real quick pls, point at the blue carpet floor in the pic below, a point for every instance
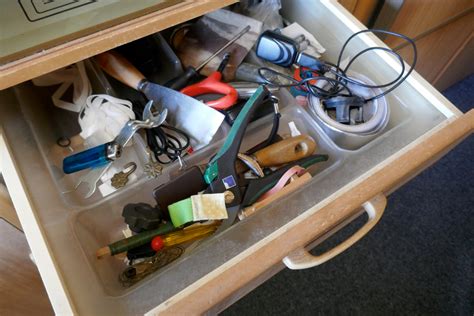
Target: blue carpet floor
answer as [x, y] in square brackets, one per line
[417, 261]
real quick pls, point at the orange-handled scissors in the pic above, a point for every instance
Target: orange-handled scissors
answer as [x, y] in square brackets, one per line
[213, 84]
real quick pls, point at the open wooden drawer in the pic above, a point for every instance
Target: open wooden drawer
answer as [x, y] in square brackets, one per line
[64, 235]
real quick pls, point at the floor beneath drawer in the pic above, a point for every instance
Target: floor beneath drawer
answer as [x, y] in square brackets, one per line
[418, 260]
[22, 291]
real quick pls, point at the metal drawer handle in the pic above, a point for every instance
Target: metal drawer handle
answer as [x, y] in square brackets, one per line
[302, 259]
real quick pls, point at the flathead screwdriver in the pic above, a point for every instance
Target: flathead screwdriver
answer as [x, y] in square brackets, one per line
[182, 80]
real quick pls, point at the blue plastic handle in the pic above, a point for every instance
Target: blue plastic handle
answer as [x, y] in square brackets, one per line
[90, 158]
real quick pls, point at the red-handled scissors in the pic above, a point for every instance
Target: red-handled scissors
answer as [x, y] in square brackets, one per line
[213, 84]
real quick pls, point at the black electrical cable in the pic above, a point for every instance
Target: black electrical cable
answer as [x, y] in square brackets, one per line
[348, 79]
[306, 81]
[341, 80]
[317, 91]
[402, 79]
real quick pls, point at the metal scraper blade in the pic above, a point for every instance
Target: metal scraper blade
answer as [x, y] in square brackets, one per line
[193, 117]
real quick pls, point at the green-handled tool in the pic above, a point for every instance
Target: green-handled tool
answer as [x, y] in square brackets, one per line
[222, 176]
[134, 241]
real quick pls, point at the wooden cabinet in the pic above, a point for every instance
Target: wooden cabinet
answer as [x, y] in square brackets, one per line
[61, 55]
[363, 10]
[443, 32]
[444, 36]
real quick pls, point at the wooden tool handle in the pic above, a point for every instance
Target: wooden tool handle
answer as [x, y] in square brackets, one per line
[285, 151]
[121, 69]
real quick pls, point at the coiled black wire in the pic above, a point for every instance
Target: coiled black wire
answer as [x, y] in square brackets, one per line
[339, 84]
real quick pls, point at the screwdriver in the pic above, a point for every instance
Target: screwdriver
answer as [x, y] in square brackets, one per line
[182, 236]
[137, 240]
[182, 80]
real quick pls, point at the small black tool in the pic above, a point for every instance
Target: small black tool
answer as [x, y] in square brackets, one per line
[141, 216]
[342, 105]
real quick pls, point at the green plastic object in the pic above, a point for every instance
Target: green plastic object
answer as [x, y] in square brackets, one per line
[212, 171]
[139, 239]
[181, 212]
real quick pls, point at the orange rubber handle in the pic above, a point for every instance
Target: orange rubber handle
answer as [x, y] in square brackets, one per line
[212, 84]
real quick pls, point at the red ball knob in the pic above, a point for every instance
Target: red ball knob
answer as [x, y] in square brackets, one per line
[157, 243]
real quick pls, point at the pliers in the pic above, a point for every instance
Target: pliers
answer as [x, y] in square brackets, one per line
[222, 176]
[213, 84]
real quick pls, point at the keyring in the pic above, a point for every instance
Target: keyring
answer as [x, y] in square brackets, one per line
[63, 141]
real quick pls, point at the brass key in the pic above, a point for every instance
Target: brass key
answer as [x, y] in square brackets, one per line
[120, 179]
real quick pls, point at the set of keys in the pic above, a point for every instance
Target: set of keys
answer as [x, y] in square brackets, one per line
[152, 169]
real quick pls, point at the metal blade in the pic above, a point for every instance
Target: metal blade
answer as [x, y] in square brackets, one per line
[193, 117]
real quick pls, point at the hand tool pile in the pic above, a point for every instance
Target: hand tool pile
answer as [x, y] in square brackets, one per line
[211, 140]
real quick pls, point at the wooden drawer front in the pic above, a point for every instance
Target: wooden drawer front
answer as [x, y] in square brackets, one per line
[63, 235]
[228, 284]
[47, 60]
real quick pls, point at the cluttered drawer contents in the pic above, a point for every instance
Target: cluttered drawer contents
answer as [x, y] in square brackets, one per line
[164, 158]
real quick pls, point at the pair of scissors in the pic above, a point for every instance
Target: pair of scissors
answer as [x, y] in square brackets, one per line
[213, 84]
